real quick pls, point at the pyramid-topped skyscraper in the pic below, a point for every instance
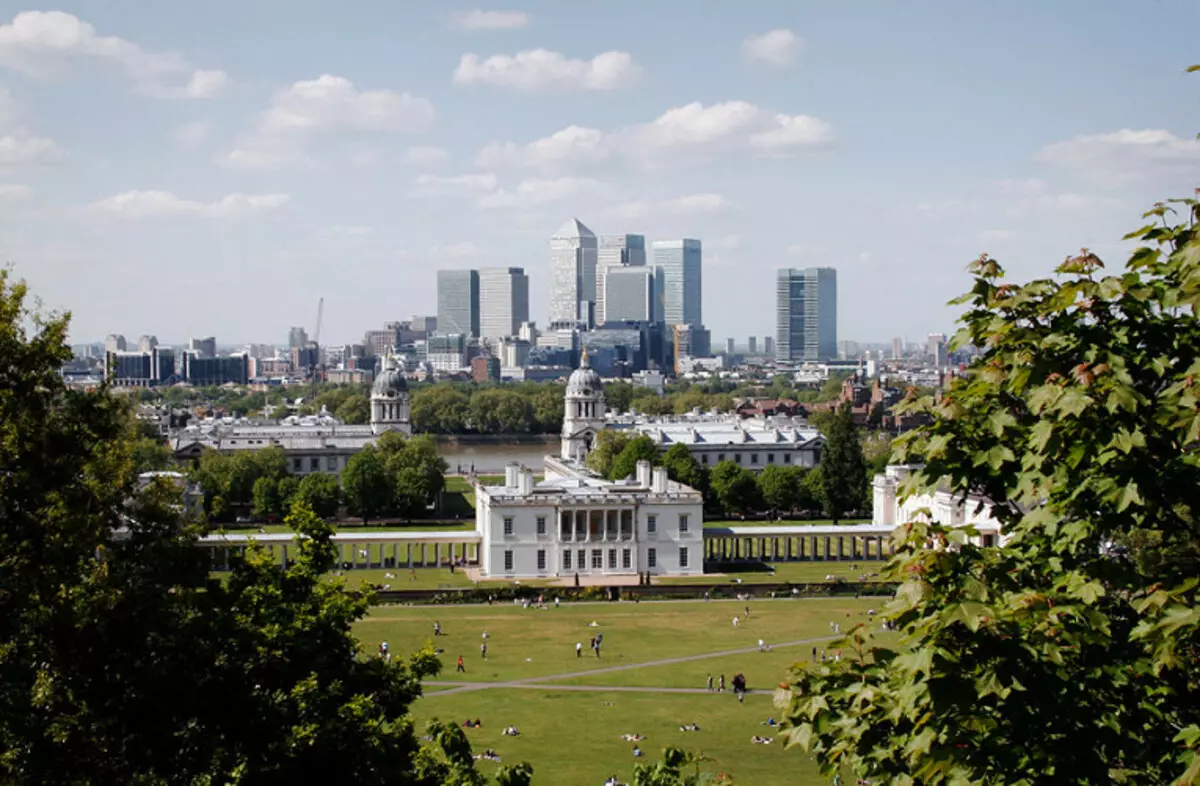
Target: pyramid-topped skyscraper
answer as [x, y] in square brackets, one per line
[573, 274]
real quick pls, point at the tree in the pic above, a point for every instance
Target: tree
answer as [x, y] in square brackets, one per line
[640, 448]
[417, 471]
[354, 409]
[812, 490]
[609, 444]
[1061, 656]
[843, 468]
[682, 467]
[151, 454]
[618, 396]
[499, 411]
[266, 501]
[735, 488]
[124, 662]
[280, 412]
[321, 492]
[779, 487]
[366, 486]
[439, 410]
[548, 409]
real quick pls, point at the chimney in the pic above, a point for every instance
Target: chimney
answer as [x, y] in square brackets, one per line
[512, 471]
[525, 482]
[659, 484]
[643, 473]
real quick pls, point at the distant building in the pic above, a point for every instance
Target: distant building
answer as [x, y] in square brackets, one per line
[379, 343]
[677, 281]
[806, 314]
[503, 301]
[613, 253]
[768, 346]
[129, 369]
[446, 351]
[203, 370]
[297, 338]
[628, 295]
[206, 346]
[753, 444]
[729, 346]
[897, 348]
[937, 349]
[424, 324]
[752, 345]
[458, 302]
[485, 368]
[147, 343]
[573, 250]
[692, 341]
[114, 342]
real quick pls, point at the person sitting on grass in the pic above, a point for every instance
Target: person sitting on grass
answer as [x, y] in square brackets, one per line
[637, 752]
[511, 731]
[690, 727]
[757, 740]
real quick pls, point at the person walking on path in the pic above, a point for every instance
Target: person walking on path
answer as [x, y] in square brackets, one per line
[721, 684]
[461, 667]
[709, 682]
[483, 650]
[579, 649]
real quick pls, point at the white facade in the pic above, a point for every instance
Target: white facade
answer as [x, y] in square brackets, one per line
[941, 507]
[573, 523]
[572, 273]
[503, 301]
[615, 252]
[583, 413]
[678, 285]
[752, 443]
[627, 295]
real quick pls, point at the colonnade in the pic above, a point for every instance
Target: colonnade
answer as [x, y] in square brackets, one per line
[361, 556]
[795, 548]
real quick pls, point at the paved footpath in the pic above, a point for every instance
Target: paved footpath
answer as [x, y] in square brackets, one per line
[541, 682]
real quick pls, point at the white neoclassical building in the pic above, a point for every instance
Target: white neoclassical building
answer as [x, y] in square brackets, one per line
[575, 523]
[941, 507]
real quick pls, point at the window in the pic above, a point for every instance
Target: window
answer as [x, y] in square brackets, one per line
[720, 457]
[652, 558]
[652, 524]
[541, 525]
[567, 559]
[703, 458]
[683, 557]
[541, 559]
[753, 458]
[297, 465]
[612, 559]
[581, 563]
[331, 463]
[770, 458]
[314, 464]
[508, 561]
[683, 523]
[597, 559]
[508, 526]
[737, 458]
[787, 458]
[626, 559]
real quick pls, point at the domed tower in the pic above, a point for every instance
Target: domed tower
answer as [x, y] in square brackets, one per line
[389, 400]
[583, 416]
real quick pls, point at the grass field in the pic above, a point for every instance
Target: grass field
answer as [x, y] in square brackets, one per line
[780, 572]
[572, 710]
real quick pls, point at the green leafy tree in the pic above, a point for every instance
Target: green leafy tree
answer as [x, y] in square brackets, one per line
[417, 464]
[280, 412]
[673, 770]
[609, 444]
[779, 487]
[682, 467]
[321, 492]
[439, 409]
[287, 487]
[500, 411]
[1062, 656]
[266, 499]
[151, 454]
[124, 662]
[843, 468]
[366, 486]
[355, 409]
[640, 448]
[548, 409]
[811, 495]
[734, 487]
[617, 396]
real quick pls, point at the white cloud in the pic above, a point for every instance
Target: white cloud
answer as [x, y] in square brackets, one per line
[1033, 195]
[14, 192]
[1122, 154]
[425, 156]
[996, 235]
[775, 47]
[164, 204]
[322, 105]
[21, 150]
[541, 69]
[492, 20]
[727, 126]
[462, 185]
[192, 136]
[534, 192]
[48, 43]
[454, 251]
[675, 207]
[9, 111]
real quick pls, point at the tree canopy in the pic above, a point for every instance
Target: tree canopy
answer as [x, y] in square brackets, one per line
[843, 468]
[1066, 655]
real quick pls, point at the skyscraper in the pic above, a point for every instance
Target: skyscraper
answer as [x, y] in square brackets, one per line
[573, 274]
[297, 338]
[616, 251]
[147, 343]
[768, 345]
[752, 346]
[205, 346]
[806, 314]
[458, 302]
[677, 282]
[503, 301]
[628, 294]
[114, 342]
[897, 348]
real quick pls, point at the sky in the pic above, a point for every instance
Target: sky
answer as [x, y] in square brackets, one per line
[215, 168]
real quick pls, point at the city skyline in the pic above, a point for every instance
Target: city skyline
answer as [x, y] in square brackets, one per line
[153, 159]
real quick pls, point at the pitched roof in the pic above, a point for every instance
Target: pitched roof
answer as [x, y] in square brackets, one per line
[574, 228]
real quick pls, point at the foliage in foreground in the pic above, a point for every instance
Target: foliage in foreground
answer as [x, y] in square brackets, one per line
[121, 661]
[1072, 654]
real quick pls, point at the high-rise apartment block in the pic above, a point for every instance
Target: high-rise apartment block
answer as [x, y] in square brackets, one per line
[768, 346]
[503, 301]
[573, 274]
[729, 346]
[677, 285]
[806, 314]
[114, 342]
[615, 252]
[897, 348]
[205, 346]
[628, 294]
[297, 338]
[458, 302]
[147, 343]
[752, 345]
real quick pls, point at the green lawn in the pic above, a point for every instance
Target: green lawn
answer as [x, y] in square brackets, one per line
[795, 572]
[572, 735]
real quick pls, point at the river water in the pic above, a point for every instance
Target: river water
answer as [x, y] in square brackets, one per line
[490, 459]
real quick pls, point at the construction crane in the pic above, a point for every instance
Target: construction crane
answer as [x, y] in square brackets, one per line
[314, 370]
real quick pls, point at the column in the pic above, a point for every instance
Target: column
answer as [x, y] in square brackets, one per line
[828, 544]
[424, 558]
[841, 543]
[437, 555]
[395, 555]
[341, 547]
[410, 562]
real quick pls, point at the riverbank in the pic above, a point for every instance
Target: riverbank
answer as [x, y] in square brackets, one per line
[497, 439]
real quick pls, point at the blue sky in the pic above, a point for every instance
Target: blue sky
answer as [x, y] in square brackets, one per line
[214, 168]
